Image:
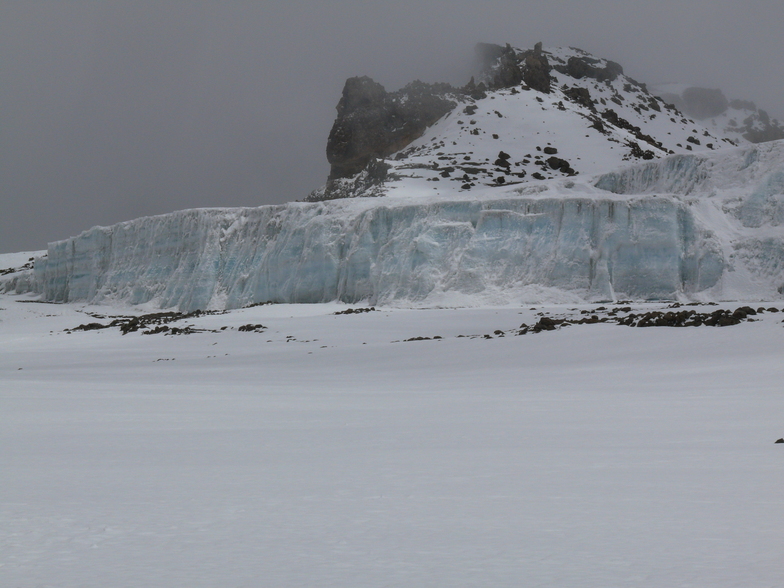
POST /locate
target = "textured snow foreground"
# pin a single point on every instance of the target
(325, 450)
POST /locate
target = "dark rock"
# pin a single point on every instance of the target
(581, 96)
(356, 310)
(585, 67)
(770, 131)
(474, 90)
(611, 71)
(545, 324)
(560, 164)
(90, 327)
(550, 150)
(638, 152)
(504, 70)
(612, 117)
(537, 70)
(372, 123)
(368, 182)
(688, 318)
(596, 123)
(157, 330)
(780, 441)
(251, 328)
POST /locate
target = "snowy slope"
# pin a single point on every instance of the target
(623, 123)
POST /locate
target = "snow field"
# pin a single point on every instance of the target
(592, 455)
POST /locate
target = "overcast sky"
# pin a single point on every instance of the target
(113, 110)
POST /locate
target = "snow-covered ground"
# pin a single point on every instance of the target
(325, 450)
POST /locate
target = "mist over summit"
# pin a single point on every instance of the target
(601, 117)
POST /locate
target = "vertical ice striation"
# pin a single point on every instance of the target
(597, 248)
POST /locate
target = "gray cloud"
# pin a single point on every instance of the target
(113, 110)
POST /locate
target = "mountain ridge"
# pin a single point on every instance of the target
(607, 117)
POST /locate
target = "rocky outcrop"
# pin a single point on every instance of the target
(586, 67)
(581, 96)
(500, 65)
(369, 182)
(761, 129)
(373, 123)
(537, 70)
(504, 67)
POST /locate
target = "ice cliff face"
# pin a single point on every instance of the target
(686, 227)
(491, 250)
(554, 178)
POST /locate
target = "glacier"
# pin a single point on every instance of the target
(687, 227)
(643, 248)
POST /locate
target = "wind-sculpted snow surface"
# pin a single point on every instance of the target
(491, 250)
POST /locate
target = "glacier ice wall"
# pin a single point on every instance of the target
(686, 227)
(599, 248)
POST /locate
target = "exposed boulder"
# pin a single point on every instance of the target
(474, 90)
(537, 70)
(373, 123)
(581, 96)
(586, 67)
